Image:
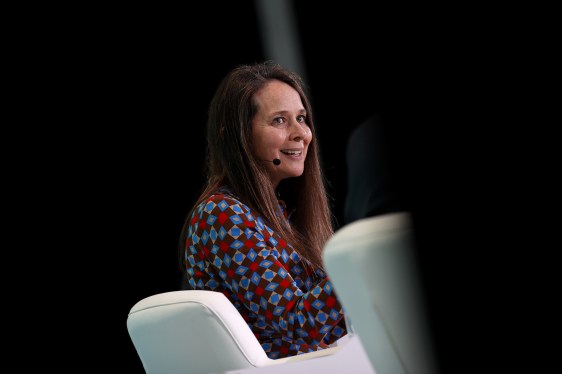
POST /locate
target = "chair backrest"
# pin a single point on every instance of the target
(372, 266)
(192, 332)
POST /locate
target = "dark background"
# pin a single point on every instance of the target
(126, 91)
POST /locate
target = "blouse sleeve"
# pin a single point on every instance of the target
(252, 265)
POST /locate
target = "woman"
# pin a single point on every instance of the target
(257, 231)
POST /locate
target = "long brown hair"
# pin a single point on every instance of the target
(230, 162)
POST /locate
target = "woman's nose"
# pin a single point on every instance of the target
(301, 132)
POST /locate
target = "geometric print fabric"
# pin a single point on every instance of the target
(230, 249)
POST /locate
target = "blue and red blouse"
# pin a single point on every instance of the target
(230, 249)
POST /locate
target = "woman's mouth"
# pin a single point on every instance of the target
(291, 152)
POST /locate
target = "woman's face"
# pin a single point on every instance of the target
(280, 130)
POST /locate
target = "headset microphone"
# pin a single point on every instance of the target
(275, 161)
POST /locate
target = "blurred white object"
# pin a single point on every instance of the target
(372, 266)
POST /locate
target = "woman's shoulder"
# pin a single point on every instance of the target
(224, 205)
(223, 198)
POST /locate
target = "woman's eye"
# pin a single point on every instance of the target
(279, 120)
(301, 119)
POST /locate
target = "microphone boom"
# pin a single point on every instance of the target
(275, 161)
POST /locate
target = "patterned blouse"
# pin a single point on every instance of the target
(230, 249)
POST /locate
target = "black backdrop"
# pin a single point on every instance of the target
(137, 88)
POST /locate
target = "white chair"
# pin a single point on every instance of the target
(197, 332)
(372, 266)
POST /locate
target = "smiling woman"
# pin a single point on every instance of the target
(280, 127)
(258, 228)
